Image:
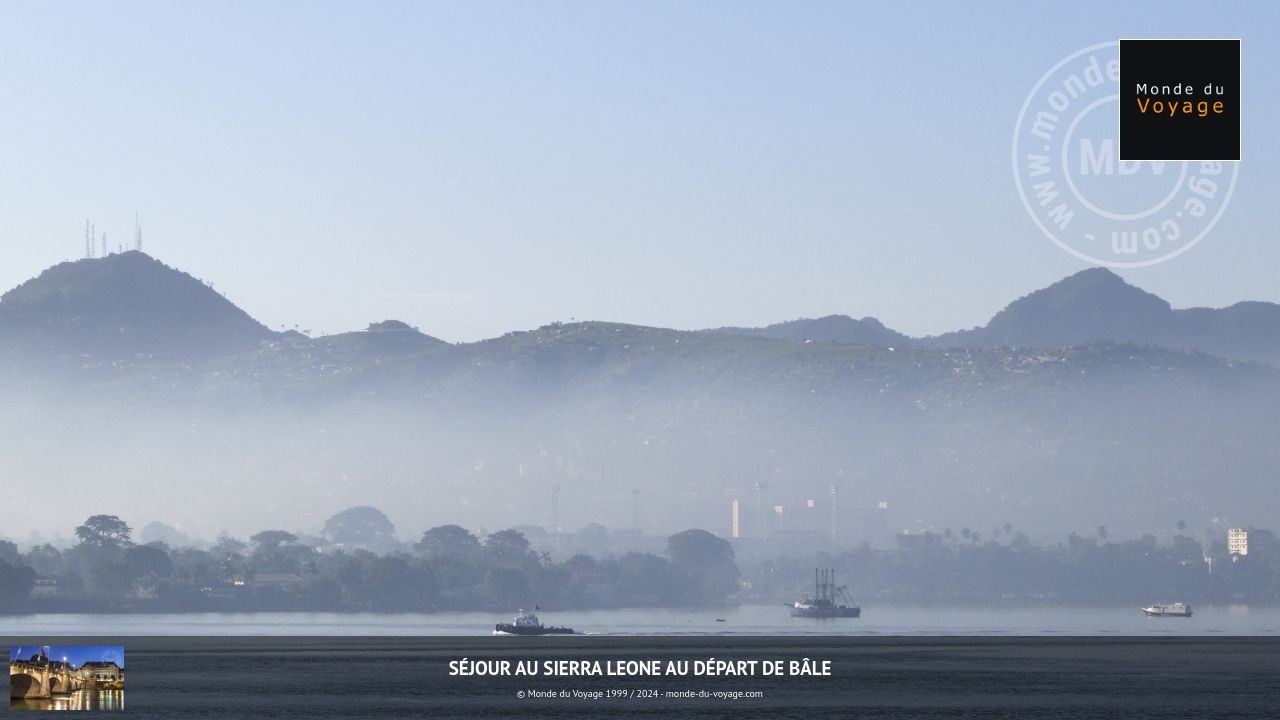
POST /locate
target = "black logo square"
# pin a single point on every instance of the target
(1179, 99)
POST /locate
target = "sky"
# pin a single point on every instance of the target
(77, 655)
(474, 168)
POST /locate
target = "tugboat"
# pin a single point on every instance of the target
(1168, 610)
(526, 623)
(825, 602)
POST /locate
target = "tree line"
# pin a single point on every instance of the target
(356, 564)
(956, 568)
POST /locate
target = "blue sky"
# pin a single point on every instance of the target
(474, 168)
(77, 655)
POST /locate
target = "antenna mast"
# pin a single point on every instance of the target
(555, 508)
(834, 529)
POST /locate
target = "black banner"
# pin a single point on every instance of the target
(697, 677)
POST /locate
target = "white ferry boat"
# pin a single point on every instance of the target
(1168, 610)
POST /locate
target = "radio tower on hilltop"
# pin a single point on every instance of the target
(88, 240)
(137, 233)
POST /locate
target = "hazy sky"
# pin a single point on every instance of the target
(473, 168)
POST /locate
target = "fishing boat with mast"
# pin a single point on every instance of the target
(828, 600)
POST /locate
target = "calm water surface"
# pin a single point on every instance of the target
(743, 620)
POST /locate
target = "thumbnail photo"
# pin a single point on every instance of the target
(66, 677)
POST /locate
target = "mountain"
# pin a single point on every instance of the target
(1094, 305)
(1027, 420)
(1098, 305)
(389, 337)
(478, 434)
(832, 328)
(122, 306)
(1091, 305)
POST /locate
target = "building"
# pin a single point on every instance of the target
(1238, 541)
(105, 671)
(44, 588)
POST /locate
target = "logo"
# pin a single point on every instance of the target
(1180, 99)
(1082, 196)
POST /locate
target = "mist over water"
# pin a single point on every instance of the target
(742, 620)
(931, 468)
(228, 427)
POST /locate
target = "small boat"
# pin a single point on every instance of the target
(526, 623)
(825, 602)
(1167, 610)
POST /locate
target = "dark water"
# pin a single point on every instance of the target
(955, 677)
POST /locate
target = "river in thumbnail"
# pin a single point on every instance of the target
(78, 700)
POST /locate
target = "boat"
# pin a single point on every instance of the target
(526, 623)
(827, 601)
(1167, 610)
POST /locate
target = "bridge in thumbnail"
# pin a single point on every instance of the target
(39, 677)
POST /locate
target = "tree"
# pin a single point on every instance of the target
(16, 582)
(8, 552)
(269, 540)
(508, 547)
(646, 579)
(275, 551)
(45, 559)
(227, 545)
(697, 549)
(147, 562)
(159, 532)
(507, 587)
(362, 527)
(448, 541)
(109, 578)
(105, 531)
(395, 583)
(707, 562)
(1186, 549)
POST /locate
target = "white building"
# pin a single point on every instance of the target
(1238, 541)
(105, 671)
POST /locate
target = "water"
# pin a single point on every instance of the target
(78, 700)
(754, 620)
